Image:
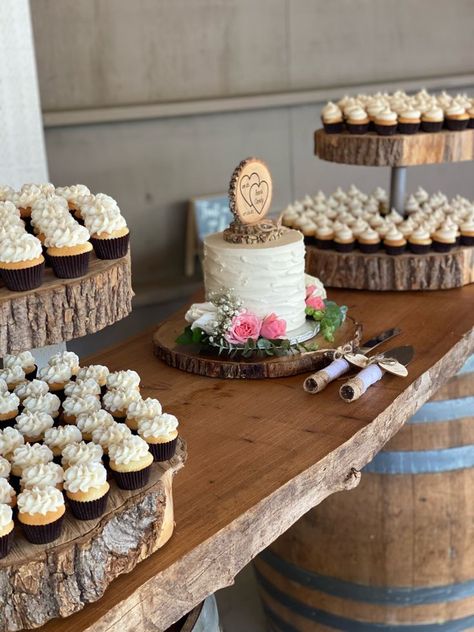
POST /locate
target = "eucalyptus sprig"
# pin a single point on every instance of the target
(330, 318)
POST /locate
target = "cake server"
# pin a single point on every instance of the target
(319, 380)
(393, 361)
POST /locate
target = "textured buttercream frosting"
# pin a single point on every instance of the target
(5, 515)
(148, 408)
(42, 475)
(77, 405)
(33, 424)
(73, 193)
(22, 247)
(66, 232)
(117, 401)
(5, 467)
(25, 359)
(268, 278)
(81, 452)
(31, 454)
(62, 436)
(105, 436)
(97, 372)
(12, 375)
(68, 358)
(10, 440)
(129, 450)
(9, 402)
(40, 500)
(84, 476)
(48, 403)
(161, 426)
(123, 380)
(80, 388)
(7, 493)
(89, 421)
(55, 374)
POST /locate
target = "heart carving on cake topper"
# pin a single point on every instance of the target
(250, 192)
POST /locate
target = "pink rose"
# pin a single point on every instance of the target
(244, 326)
(273, 327)
(310, 289)
(315, 302)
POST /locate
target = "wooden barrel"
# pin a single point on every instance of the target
(202, 618)
(396, 554)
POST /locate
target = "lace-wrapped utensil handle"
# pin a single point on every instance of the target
(356, 386)
(318, 381)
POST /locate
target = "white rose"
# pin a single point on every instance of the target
(320, 290)
(202, 315)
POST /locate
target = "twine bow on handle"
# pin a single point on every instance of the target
(318, 381)
(372, 371)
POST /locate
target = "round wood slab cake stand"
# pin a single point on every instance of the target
(63, 309)
(42, 582)
(380, 271)
(188, 358)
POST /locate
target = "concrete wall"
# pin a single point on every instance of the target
(155, 101)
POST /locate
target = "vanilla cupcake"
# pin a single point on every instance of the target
(74, 195)
(74, 406)
(324, 237)
(26, 197)
(56, 376)
(40, 513)
(58, 438)
(87, 490)
(96, 372)
(35, 388)
(88, 422)
(6, 530)
(33, 425)
(409, 121)
(123, 381)
(10, 440)
(368, 240)
(419, 241)
(161, 434)
(13, 376)
(141, 409)
(42, 475)
(28, 455)
(117, 402)
(344, 240)
(21, 262)
(7, 493)
(5, 467)
(109, 232)
(432, 120)
(332, 118)
(456, 117)
(385, 122)
(394, 242)
(81, 388)
(25, 359)
(130, 462)
(81, 453)
(68, 248)
(66, 358)
(106, 436)
(47, 403)
(9, 403)
(357, 121)
(444, 238)
(467, 232)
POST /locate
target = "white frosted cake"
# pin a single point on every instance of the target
(267, 277)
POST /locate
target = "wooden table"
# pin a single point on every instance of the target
(262, 453)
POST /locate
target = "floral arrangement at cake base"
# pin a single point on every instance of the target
(222, 325)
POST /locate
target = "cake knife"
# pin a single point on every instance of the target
(392, 361)
(318, 381)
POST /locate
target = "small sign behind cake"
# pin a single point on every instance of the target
(250, 196)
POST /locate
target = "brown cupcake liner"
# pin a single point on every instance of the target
(7, 423)
(42, 534)
(333, 128)
(471, 123)
(386, 130)
(32, 374)
(324, 244)
(70, 267)
(357, 128)
(23, 279)
(132, 480)
(163, 451)
(15, 482)
(6, 543)
(431, 126)
(408, 128)
(419, 249)
(456, 125)
(115, 248)
(439, 246)
(467, 240)
(347, 247)
(309, 241)
(369, 248)
(395, 250)
(89, 510)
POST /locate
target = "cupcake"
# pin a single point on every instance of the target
(161, 435)
(81, 388)
(456, 117)
(140, 409)
(96, 372)
(9, 403)
(68, 248)
(10, 440)
(432, 120)
(7, 493)
(90, 421)
(40, 513)
(28, 455)
(26, 360)
(21, 262)
(357, 121)
(409, 121)
(74, 195)
(66, 358)
(108, 229)
(25, 198)
(58, 438)
(81, 453)
(87, 490)
(419, 241)
(308, 228)
(467, 233)
(444, 238)
(385, 122)
(5, 467)
(130, 462)
(324, 237)
(394, 242)
(74, 406)
(123, 380)
(368, 240)
(106, 436)
(13, 376)
(117, 402)
(344, 240)
(47, 403)
(35, 388)
(6, 530)
(42, 475)
(33, 425)
(56, 376)
(332, 119)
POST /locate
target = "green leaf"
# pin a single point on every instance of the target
(197, 335)
(186, 337)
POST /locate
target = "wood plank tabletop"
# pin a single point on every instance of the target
(262, 453)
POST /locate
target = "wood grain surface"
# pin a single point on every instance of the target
(63, 309)
(380, 271)
(262, 453)
(399, 150)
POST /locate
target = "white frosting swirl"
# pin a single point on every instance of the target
(357, 114)
(106, 436)
(12, 375)
(5, 467)
(35, 388)
(48, 403)
(80, 388)
(20, 247)
(161, 426)
(25, 359)
(105, 223)
(433, 114)
(62, 436)
(67, 232)
(3, 386)
(411, 115)
(129, 450)
(455, 110)
(387, 116)
(84, 476)
(9, 402)
(27, 195)
(55, 374)
(6, 192)
(100, 204)
(33, 423)
(88, 422)
(7, 493)
(68, 358)
(40, 500)
(77, 405)
(82, 452)
(116, 401)
(73, 193)
(42, 475)
(344, 234)
(31, 454)
(123, 380)
(97, 372)
(420, 234)
(144, 408)
(46, 212)
(6, 515)
(394, 234)
(10, 439)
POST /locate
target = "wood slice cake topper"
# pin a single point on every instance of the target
(250, 197)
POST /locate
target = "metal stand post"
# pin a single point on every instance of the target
(398, 184)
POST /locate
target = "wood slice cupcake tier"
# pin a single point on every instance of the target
(187, 358)
(42, 582)
(380, 271)
(399, 150)
(63, 309)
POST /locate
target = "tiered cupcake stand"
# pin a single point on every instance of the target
(380, 271)
(42, 582)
